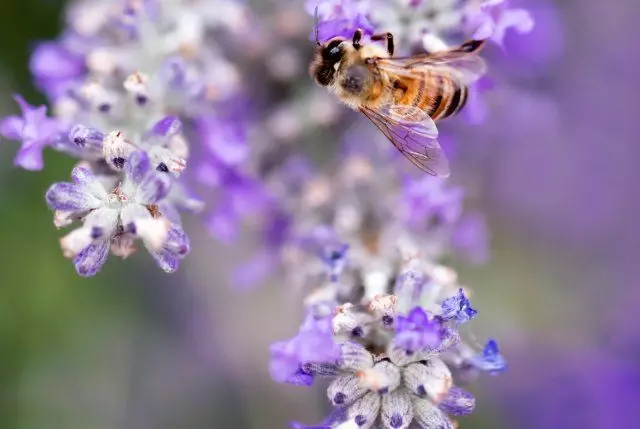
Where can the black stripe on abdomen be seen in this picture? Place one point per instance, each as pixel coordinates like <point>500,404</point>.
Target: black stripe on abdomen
<point>463,99</point>
<point>439,95</point>
<point>454,103</point>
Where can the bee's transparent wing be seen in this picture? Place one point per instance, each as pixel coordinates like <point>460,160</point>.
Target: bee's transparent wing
<point>413,133</point>
<point>461,63</point>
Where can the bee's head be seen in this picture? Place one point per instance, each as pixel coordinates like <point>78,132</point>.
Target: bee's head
<point>328,58</point>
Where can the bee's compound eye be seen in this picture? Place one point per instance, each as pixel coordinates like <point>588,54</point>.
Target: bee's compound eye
<point>333,52</point>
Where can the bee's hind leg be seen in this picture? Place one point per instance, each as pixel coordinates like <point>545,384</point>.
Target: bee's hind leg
<point>357,37</point>
<point>388,37</point>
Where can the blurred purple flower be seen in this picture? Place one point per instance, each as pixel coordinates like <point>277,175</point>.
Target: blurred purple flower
<point>430,200</point>
<point>417,331</point>
<point>325,244</point>
<point>55,68</point>
<point>490,360</point>
<point>339,18</point>
<point>238,196</point>
<point>225,139</point>
<point>495,17</point>
<point>34,129</point>
<point>314,343</point>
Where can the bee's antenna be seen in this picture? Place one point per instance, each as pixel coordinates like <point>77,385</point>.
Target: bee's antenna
<point>316,23</point>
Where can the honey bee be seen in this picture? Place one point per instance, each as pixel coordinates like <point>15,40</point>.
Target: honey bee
<point>403,97</point>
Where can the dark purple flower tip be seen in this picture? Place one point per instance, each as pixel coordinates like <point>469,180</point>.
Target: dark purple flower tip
<point>131,228</point>
<point>96,232</point>
<point>357,332</point>
<point>167,127</point>
<point>458,402</point>
<point>360,420</point>
<point>422,391</point>
<point>339,398</point>
<point>142,100</point>
<point>396,421</point>
<point>85,136</point>
<point>138,166</point>
<point>118,162</point>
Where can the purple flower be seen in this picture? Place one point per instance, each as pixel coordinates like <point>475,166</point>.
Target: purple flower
<point>417,332</point>
<point>495,17</point>
<point>340,18</point>
<point>458,308</point>
<point>490,360</point>
<point>314,344</point>
<point>238,196</point>
<point>115,217</point>
<point>55,69</point>
<point>225,139</point>
<point>34,129</point>
<point>431,201</point>
<point>324,243</point>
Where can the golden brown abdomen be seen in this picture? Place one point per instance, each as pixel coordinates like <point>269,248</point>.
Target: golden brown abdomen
<point>438,94</point>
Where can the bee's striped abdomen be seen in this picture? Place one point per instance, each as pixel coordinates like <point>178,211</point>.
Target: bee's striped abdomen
<point>435,93</point>
<point>456,102</point>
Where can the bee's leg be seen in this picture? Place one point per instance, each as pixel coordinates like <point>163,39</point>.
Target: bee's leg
<point>357,37</point>
<point>388,37</point>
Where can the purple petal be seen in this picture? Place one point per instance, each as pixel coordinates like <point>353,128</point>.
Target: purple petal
<point>137,166</point>
<point>169,211</point>
<point>226,140</point>
<point>154,187</point>
<point>52,62</point>
<point>458,402</point>
<point>82,176</point>
<point>68,197</point>
<point>166,260</point>
<point>29,157</point>
<point>178,241</point>
<point>284,362</point>
<point>518,19</point>
<point>167,127</point>
<point>176,247</point>
<point>88,137</point>
<point>11,127</point>
<point>89,261</point>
